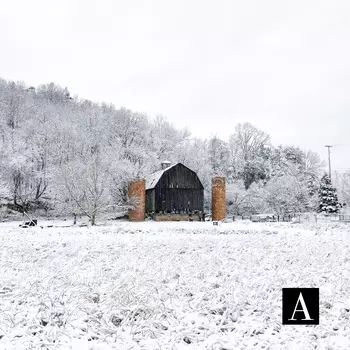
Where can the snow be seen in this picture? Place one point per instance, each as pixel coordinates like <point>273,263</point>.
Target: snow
<point>170,285</point>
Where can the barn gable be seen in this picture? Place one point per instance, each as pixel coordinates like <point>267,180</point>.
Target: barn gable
<point>152,180</point>
<point>176,189</point>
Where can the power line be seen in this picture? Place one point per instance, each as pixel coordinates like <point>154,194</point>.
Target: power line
<point>342,171</point>
<point>342,144</point>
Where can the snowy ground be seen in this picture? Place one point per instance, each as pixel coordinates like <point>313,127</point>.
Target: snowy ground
<point>170,286</point>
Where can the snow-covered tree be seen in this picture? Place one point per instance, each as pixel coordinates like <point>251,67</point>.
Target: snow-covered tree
<point>239,200</point>
<point>287,195</point>
<point>249,150</point>
<point>218,155</point>
<point>312,170</point>
<point>328,198</point>
<point>52,145</point>
<point>86,187</point>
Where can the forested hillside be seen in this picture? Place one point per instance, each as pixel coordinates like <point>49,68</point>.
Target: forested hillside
<point>69,155</point>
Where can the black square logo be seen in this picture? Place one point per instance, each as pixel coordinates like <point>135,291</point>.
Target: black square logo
<point>300,306</point>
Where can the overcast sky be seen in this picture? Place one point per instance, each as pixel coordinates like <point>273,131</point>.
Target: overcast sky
<point>282,65</point>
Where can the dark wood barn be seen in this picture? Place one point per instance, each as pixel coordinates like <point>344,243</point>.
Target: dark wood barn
<point>175,189</point>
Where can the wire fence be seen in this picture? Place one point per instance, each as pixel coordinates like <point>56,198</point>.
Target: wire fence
<point>264,218</point>
<point>316,218</point>
<point>298,218</point>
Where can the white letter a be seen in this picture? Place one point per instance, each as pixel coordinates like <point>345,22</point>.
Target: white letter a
<point>304,310</point>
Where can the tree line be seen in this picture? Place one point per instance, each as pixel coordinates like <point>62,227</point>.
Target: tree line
<point>72,156</point>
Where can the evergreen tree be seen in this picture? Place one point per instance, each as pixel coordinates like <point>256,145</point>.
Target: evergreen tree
<point>328,198</point>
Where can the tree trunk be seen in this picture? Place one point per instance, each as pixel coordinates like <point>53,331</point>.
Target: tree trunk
<point>74,219</point>
<point>92,219</point>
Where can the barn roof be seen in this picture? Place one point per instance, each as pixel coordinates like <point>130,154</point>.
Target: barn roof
<point>152,180</point>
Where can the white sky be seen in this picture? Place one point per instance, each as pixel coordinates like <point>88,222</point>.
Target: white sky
<point>283,65</point>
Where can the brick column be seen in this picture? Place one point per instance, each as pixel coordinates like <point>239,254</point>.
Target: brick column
<point>218,198</point>
<point>137,191</point>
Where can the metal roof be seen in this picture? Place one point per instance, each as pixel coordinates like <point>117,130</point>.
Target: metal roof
<point>152,180</point>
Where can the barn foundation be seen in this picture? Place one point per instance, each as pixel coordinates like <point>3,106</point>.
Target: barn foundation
<point>218,198</point>
<point>137,193</point>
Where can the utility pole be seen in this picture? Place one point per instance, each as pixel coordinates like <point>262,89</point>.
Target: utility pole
<point>329,161</point>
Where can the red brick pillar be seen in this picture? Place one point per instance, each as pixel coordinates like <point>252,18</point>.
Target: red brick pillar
<point>137,192</point>
<point>218,198</point>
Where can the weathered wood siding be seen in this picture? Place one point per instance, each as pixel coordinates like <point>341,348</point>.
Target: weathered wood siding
<point>150,201</point>
<point>178,189</point>
<point>169,199</point>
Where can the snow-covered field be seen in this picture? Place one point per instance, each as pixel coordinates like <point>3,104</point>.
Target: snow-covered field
<point>170,286</point>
